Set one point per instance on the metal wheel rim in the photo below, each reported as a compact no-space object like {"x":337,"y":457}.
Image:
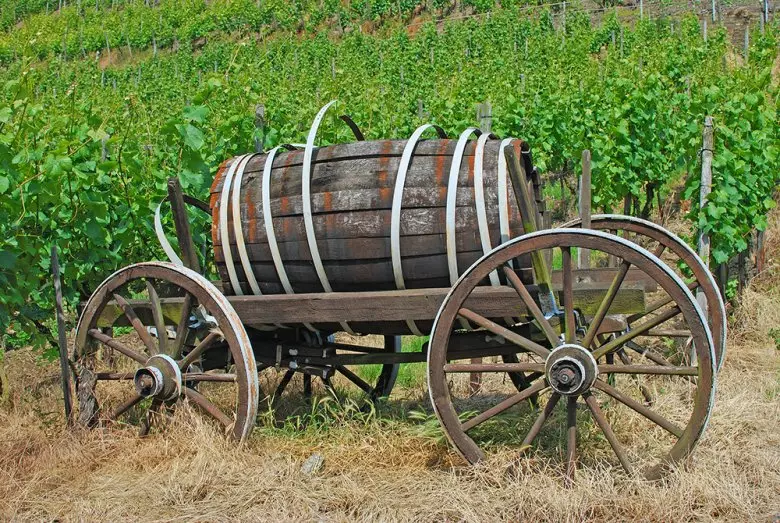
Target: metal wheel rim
{"x":217,"y":305}
{"x":637,"y":256}
{"x":675,"y":244}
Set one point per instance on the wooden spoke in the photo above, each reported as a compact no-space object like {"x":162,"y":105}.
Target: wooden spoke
{"x":136,"y":323}
{"x":634,"y":332}
{"x":494,"y":367}
{"x":507,"y":403}
{"x":658,"y":304}
{"x":114,"y":376}
{"x":659,"y":250}
{"x":571,"y":438}
{"x":124,"y":407}
{"x":108,"y":341}
{"x":354,"y":378}
{"x":202,"y":347}
{"x":201,"y":401}
{"x":606,"y":303}
{"x":507,"y":334}
{"x":648,"y":353}
{"x":146,"y":423}
{"x":283,"y":384}
{"x":182,"y":330}
{"x":606,"y":428}
{"x":669,"y":333}
{"x":537,"y":426}
{"x":649,"y":369}
{"x":202,"y":376}
{"x":639,"y":408}
{"x":159,"y":320}
{"x":568,"y":295}
{"x":529,"y":302}
{"x":626,"y":359}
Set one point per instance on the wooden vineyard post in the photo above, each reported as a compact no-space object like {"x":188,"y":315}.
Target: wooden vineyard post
{"x":485,"y":117}
{"x":61,"y":337}
{"x":259,"y":127}
{"x":760,"y":252}
{"x":705,"y":188}
{"x":583,"y":258}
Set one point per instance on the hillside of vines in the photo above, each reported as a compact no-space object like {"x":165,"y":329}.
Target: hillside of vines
{"x":96,"y":112}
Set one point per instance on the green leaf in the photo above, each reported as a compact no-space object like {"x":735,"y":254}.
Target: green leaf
{"x":7,"y":260}
{"x":4,"y":184}
{"x":196,"y":113}
{"x":193,"y":137}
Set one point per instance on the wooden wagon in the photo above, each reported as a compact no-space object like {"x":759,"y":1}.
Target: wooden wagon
{"x":437,"y":237}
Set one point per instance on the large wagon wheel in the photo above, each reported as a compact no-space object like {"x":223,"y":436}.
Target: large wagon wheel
{"x":580,"y":365}
{"x":658,"y":240}
{"x":185,"y":343}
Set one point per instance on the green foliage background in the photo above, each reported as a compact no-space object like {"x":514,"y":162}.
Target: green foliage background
{"x":86,"y":148}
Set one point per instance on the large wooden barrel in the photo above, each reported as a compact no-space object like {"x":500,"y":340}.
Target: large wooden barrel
{"x":351,"y":193}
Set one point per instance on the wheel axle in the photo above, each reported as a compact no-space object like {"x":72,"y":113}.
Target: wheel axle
{"x":571,"y":369}
{"x":160,"y":378}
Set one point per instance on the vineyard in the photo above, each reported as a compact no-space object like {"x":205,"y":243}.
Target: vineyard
{"x":96,"y":113}
{"x":94,"y":117}
{"x":312,"y":285}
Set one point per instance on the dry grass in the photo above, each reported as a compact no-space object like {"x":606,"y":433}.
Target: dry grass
{"x":385,"y":468}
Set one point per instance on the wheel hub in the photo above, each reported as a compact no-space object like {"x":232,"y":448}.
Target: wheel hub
{"x":161,"y":378}
{"x":571,"y":370}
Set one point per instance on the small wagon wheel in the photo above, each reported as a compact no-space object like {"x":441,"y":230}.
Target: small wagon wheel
{"x":579,"y":367}
{"x":658,"y":240}
{"x":184,"y":342}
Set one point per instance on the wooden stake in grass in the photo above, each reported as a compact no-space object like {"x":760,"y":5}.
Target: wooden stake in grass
{"x":61,"y":338}
{"x":705,"y":188}
{"x":583,"y":259}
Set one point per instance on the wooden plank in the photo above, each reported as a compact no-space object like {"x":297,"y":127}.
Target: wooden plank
{"x":362,"y":272}
{"x":368,"y":248}
{"x":362,"y":199}
{"x":366,"y":170}
{"x":583,"y":255}
{"x":366,"y":149}
{"x":605,"y":275}
{"x":384,"y":306}
{"x":378,"y":270}
{"x":361,"y":224}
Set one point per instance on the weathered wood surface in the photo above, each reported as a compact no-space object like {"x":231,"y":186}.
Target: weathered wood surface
{"x":367,"y":309}
{"x":352,"y":188}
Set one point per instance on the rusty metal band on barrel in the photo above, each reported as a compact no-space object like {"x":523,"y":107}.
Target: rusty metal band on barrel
{"x":268,"y":221}
{"x":308,"y":221}
{"x":237,"y":166}
{"x":223,"y":225}
{"x":395,"y":214}
{"x":452,"y":195}
{"x":238,"y":229}
{"x":479,"y":201}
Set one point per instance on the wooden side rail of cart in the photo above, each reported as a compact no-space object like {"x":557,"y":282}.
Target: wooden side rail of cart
{"x":416,"y":304}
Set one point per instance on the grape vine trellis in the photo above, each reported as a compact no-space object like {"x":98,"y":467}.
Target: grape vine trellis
{"x":85,"y":150}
